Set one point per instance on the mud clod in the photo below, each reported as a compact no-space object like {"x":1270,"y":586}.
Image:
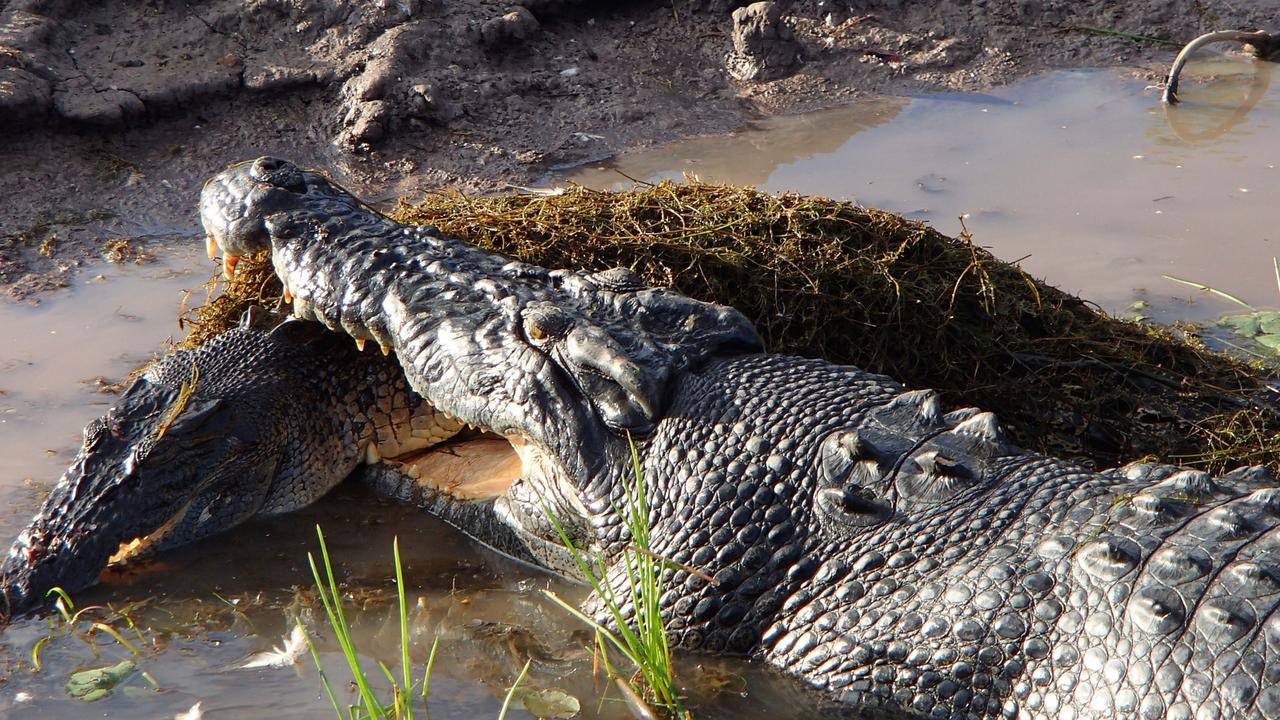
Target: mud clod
{"x":519,"y":24}
{"x":764,"y":47}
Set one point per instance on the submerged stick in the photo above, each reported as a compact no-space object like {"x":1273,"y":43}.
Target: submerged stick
{"x":1262,"y":42}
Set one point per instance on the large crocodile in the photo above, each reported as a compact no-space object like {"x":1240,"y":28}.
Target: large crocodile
{"x":847,"y":530}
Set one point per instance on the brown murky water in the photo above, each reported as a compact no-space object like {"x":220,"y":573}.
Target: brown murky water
{"x":1081,"y":175}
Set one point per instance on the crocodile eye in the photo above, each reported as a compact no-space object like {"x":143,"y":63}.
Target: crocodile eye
{"x":94,"y":433}
{"x":545,"y":323}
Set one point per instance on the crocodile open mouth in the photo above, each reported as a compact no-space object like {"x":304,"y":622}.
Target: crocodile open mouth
{"x":471,"y":466}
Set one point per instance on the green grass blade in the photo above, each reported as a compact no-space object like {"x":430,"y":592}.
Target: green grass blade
{"x":35,"y":652}
{"x":506,"y":702}
{"x":62,"y":603}
{"x":1220,"y":293}
{"x":431,"y":661}
{"x":324,"y":679}
{"x":116,"y":635}
{"x":338,"y":621}
{"x":404,"y":634}
{"x":396,"y":708}
{"x":644,"y":644}
{"x":600,"y":629}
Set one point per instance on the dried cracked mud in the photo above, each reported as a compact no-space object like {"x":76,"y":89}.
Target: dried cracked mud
{"x":112,"y":112}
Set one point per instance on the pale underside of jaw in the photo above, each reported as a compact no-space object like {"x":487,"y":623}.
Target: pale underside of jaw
{"x":480,"y":468}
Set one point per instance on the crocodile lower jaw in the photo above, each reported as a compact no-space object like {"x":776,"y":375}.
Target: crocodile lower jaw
{"x":480,"y":468}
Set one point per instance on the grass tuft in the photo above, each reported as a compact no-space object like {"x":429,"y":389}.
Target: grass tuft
{"x":368,"y":705}
{"x":641,"y":634}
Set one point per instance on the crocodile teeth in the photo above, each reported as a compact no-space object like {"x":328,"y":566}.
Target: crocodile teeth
{"x":371,"y":454}
{"x":211,"y":246}
{"x":229,"y":265}
{"x":360,"y":344}
{"x":386,"y":349}
{"x":288,"y":296}
{"x":303,"y":309}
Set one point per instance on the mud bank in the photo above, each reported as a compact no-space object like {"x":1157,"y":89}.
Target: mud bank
{"x":112,"y":113}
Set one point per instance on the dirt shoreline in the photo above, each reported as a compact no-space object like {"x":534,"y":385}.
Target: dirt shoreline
{"x":112,"y":113}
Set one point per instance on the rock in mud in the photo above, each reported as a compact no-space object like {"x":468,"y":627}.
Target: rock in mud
{"x":519,"y":24}
{"x":764,"y":48}
{"x":23,"y":96}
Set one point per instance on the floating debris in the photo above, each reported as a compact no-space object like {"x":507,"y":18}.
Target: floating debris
{"x":295,"y":646}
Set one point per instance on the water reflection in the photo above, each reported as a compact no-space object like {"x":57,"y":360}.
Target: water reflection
{"x":751,"y":155}
{"x":1221,"y":105}
{"x":1076,"y":173}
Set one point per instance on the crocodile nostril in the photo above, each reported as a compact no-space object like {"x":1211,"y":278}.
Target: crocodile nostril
{"x":277,"y":172}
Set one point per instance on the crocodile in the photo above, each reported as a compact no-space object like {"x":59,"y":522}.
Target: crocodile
{"x":829,"y":521}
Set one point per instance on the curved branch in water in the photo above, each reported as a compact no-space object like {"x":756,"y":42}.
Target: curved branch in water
{"x":1262,"y":42}
{"x":1178,"y":120}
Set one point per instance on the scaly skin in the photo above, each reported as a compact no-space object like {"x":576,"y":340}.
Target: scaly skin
{"x":856,"y":535}
{"x":275,"y":418}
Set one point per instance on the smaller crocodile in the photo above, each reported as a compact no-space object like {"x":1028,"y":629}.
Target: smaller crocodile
{"x":261,"y":420}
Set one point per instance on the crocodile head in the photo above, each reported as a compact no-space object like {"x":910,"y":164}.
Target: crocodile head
{"x":560,"y":364}
{"x":201,"y":441}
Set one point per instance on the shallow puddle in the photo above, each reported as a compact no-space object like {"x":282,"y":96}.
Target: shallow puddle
{"x":58,"y":358}
{"x":1082,"y":177}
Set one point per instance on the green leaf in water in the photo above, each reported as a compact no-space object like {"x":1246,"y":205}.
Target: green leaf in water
{"x":551,"y":703}
{"x":97,"y":683}
{"x":1137,"y":311}
{"x":1269,"y":321}
{"x":1269,"y":341}
{"x":1243,"y":325}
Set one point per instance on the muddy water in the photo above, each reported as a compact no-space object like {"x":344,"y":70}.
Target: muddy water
{"x":1080,"y":176}
{"x":57,"y":357}
{"x":1080,"y":173}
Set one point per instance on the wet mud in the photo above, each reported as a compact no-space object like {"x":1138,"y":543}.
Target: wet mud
{"x":112,"y":113}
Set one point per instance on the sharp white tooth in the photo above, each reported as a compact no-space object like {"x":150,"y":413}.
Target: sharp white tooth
{"x":371,"y":454}
{"x":229,"y":265}
{"x":288,"y":296}
{"x":323,"y":319}
{"x":386,"y":349}
{"x":211,"y":246}
{"x":360,"y":344}
{"x":303,"y":309}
